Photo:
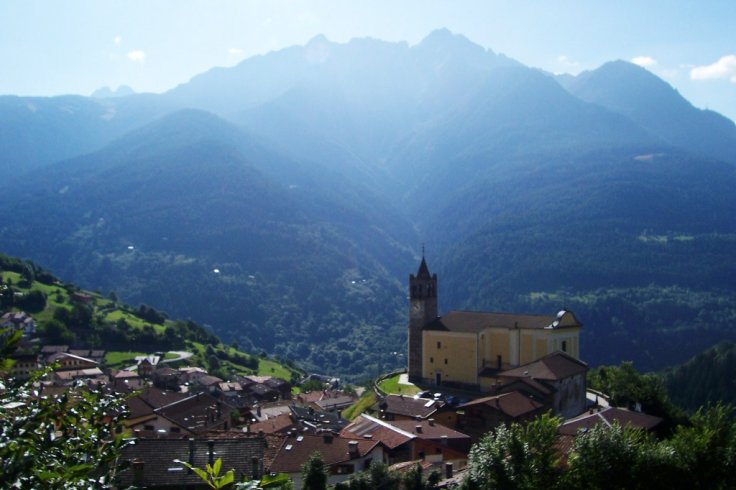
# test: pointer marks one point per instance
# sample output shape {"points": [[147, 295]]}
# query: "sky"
{"points": [[75, 47]]}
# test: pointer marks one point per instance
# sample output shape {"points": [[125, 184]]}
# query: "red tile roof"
{"points": [[428, 429], [295, 451], [552, 367], [608, 416], [408, 406], [280, 423], [378, 430], [514, 404]]}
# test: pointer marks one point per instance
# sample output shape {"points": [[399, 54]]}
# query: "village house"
{"points": [[97, 355], [142, 414], [19, 321], [280, 424], [124, 381], [153, 463], [342, 456], [25, 364], [481, 415], [400, 407], [563, 374], [66, 360], [411, 440]]}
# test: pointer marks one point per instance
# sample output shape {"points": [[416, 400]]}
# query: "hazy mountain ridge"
{"points": [[335, 161], [653, 104], [177, 213]]}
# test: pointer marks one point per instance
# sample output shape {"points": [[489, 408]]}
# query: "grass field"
{"points": [[117, 359], [131, 320], [391, 385], [364, 403]]}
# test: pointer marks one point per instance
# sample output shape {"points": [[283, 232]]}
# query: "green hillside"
{"points": [[68, 315]]}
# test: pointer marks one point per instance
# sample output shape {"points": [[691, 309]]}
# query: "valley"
{"points": [[284, 201]]}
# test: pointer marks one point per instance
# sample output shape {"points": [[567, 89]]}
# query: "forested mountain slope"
{"points": [[310, 177]]}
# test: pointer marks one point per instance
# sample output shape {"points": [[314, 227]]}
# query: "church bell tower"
{"points": [[422, 310]]}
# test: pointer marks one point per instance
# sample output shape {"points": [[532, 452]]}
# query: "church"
{"points": [[472, 348]]}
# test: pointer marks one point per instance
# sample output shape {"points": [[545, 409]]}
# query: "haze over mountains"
{"points": [[284, 200]]}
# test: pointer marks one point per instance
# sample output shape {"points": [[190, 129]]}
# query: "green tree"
{"points": [[33, 301], [516, 456], [314, 473], [627, 387], [55, 332], [706, 450]]}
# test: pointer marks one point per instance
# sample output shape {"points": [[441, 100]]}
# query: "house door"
{"points": [[438, 378]]}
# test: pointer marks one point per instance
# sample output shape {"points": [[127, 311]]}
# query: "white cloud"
{"points": [[567, 62], [117, 41], [644, 61], [723, 68], [137, 55], [235, 52]]}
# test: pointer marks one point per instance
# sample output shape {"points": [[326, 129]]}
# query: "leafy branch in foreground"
{"points": [[212, 477], [67, 441]]}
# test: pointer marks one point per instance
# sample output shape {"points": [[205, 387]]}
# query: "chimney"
{"points": [[191, 454], [258, 410], [443, 439], [353, 449], [431, 422], [418, 428], [448, 470], [137, 466]]}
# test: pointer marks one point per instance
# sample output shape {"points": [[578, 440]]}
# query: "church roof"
{"points": [[552, 367], [477, 321], [423, 271]]}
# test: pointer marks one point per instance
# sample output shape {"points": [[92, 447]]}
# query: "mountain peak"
{"points": [[445, 37], [106, 92], [318, 40]]}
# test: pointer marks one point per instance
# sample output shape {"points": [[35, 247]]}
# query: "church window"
{"points": [[431, 360], [445, 361], [439, 345]]}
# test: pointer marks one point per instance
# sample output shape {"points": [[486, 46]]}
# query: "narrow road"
{"points": [[181, 356]]}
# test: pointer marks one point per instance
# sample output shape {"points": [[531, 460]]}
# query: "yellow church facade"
{"points": [[467, 347], [471, 348]]}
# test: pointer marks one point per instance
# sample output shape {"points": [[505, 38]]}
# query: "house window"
{"points": [[175, 430], [147, 427], [343, 469], [500, 362], [439, 345], [564, 346]]}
